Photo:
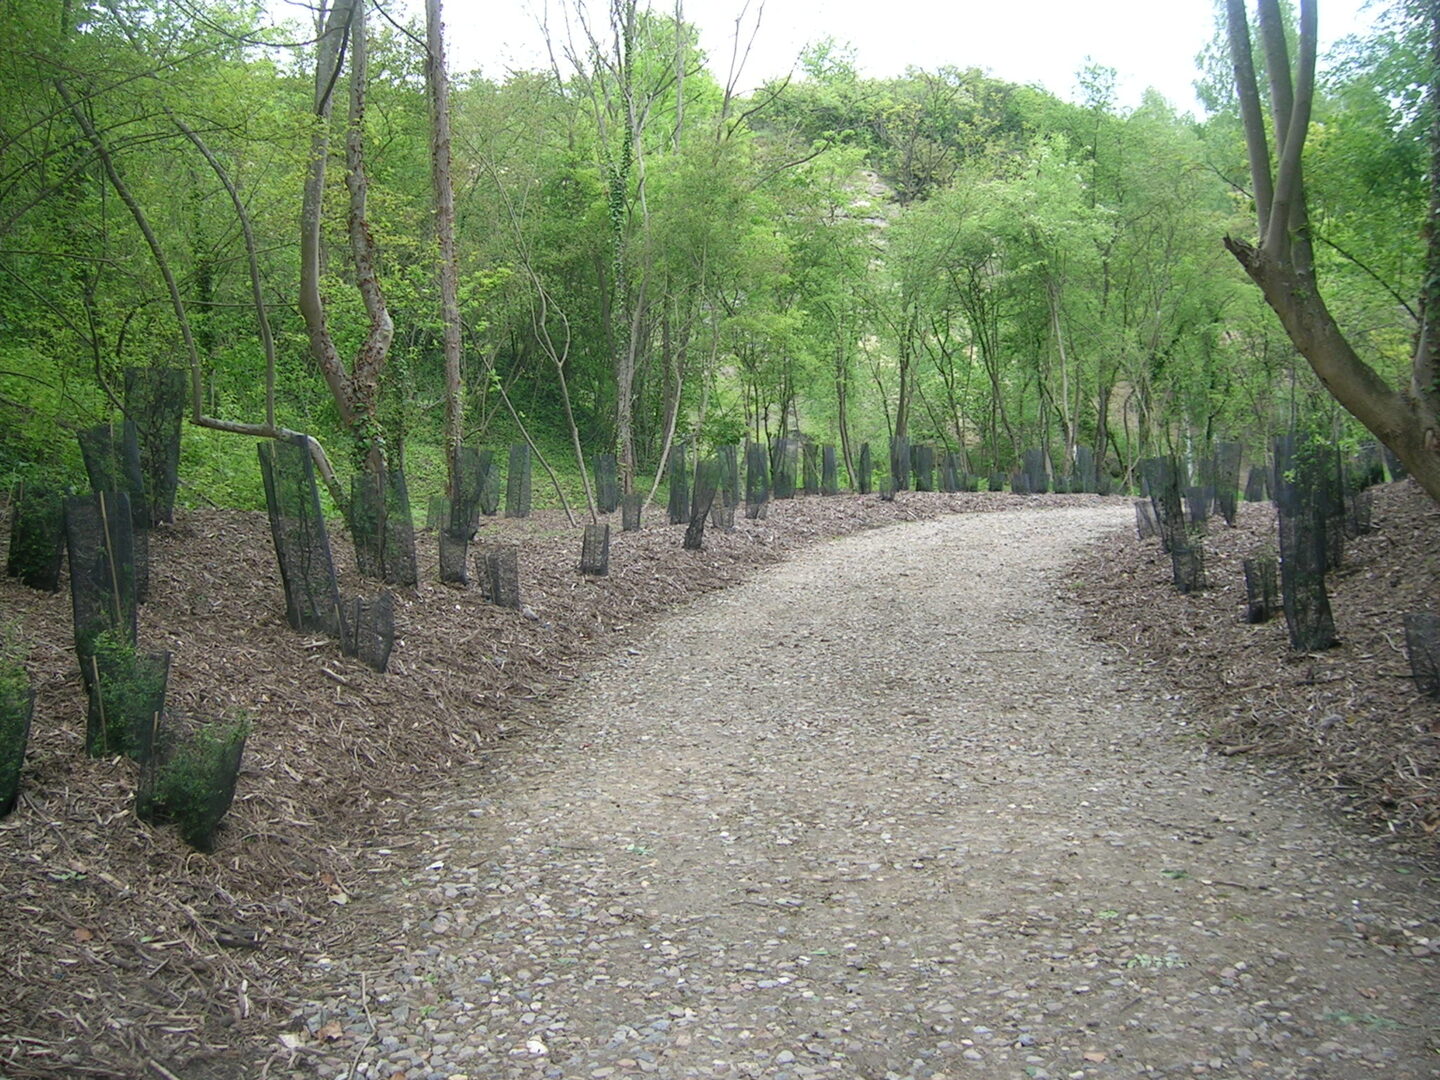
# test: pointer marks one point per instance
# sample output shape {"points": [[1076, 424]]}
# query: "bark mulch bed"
{"points": [[127, 954], [1350, 718]]}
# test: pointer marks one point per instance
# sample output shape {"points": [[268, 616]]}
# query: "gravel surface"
{"points": [[880, 812]]}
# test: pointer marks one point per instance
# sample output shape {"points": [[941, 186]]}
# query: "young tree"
{"points": [[1282, 263], [356, 390], [438, 84]]}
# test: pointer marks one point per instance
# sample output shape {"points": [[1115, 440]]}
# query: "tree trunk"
{"points": [[1282, 264], [1399, 421], [329, 60], [438, 82]]}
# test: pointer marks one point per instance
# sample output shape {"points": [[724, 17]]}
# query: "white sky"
{"points": [[1149, 42]]}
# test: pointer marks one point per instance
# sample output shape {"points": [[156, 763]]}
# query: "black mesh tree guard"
{"points": [[722, 516], [677, 476], [865, 482], [1359, 513], [1257, 484], [784, 468], [369, 630], [729, 458], [155, 402], [1144, 519], [517, 482], [37, 536], [595, 550], [382, 528], [302, 547], [630, 511], [1301, 465], [454, 558], [923, 459], [996, 482], [1087, 470], [1367, 467], [489, 483], [437, 512], [1187, 560], [1034, 469], [98, 537], [1422, 641], [1393, 465], [126, 692], [707, 476], [462, 516], [189, 776], [607, 483], [17, 705], [112, 463], [1020, 483], [1261, 592], [502, 567], [1161, 476], [899, 464], [1225, 474], [757, 479], [1197, 504], [950, 480], [811, 454], [1330, 500]]}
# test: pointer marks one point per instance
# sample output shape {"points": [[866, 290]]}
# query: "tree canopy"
{"points": [[643, 257]]}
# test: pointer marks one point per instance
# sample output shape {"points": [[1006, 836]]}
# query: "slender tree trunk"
{"points": [[375, 349], [842, 403], [329, 60], [437, 80]]}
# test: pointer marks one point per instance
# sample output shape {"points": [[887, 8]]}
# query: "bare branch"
{"points": [[141, 222], [267, 338]]}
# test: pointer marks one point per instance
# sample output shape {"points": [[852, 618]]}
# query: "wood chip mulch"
{"points": [[125, 953], [1349, 719]]}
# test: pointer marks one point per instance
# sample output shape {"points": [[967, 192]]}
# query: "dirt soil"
{"points": [[129, 955]]}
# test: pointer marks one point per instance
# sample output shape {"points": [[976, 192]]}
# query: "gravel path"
{"points": [[881, 812]]}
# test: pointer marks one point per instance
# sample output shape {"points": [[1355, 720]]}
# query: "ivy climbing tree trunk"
{"points": [[1282, 262]]}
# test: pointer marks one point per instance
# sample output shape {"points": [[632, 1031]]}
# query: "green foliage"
{"points": [[1008, 269], [127, 691], [16, 703], [190, 780]]}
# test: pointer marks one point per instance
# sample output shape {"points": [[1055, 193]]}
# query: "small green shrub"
{"points": [[127, 690], [37, 537], [17, 702], [189, 778]]}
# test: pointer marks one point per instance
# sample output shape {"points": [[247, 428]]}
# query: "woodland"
{"points": [[626, 269], [622, 253]]}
